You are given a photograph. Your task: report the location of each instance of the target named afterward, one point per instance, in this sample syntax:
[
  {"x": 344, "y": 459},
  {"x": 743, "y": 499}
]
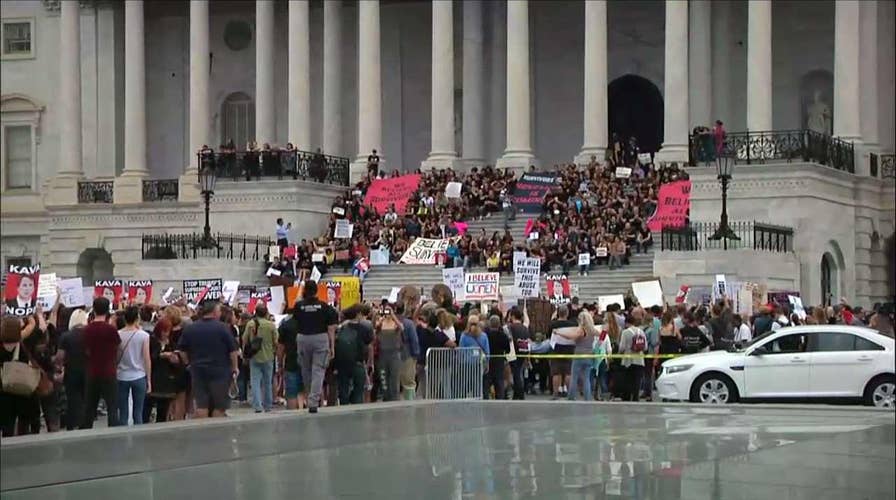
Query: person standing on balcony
[
  {"x": 719, "y": 136},
  {"x": 282, "y": 233},
  {"x": 373, "y": 164}
]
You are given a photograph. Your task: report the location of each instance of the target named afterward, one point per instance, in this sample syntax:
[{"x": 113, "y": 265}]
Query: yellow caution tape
[{"x": 589, "y": 356}]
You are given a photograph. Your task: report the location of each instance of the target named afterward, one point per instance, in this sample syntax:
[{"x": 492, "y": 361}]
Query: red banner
[
  {"x": 385, "y": 192},
  {"x": 20, "y": 293},
  {"x": 673, "y": 205}
]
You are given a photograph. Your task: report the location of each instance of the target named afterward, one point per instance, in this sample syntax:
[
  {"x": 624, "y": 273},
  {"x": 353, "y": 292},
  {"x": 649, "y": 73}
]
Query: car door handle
[
  {"x": 866, "y": 358},
  {"x": 797, "y": 360}
]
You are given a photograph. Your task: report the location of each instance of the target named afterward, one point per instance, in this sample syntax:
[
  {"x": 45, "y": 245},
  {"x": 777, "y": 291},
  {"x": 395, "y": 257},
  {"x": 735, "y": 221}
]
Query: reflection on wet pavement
[{"x": 480, "y": 450}]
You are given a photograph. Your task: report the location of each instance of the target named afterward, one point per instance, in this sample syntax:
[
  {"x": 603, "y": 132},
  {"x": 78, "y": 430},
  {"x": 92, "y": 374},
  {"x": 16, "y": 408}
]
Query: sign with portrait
[
  {"x": 20, "y": 293},
  {"x": 110, "y": 289},
  {"x": 139, "y": 292}
]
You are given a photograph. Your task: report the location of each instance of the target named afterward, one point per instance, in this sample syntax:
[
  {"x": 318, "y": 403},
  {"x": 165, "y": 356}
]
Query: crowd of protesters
[{"x": 156, "y": 364}]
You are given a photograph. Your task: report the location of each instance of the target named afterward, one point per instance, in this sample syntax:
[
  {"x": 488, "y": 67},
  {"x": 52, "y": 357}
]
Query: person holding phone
[
  {"x": 390, "y": 332},
  {"x": 282, "y": 232}
]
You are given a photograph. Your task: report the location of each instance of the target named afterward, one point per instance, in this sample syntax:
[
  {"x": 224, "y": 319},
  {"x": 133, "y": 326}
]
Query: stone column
[
  {"x": 868, "y": 64},
  {"x": 700, "y": 63},
  {"x": 370, "y": 104},
  {"x": 299, "y": 76},
  {"x": 595, "y": 119},
  {"x": 200, "y": 115},
  {"x": 759, "y": 65},
  {"x": 265, "y": 117},
  {"x": 518, "y": 152},
  {"x": 473, "y": 133},
  {"x": 70, "y": 142},
  {"x": 443, "y": 152},
  {"x": 129, "y": 185},
  {"x": 846, "y": 70},
  {"x": 332, "y": 119},
  {"x": 675, "y": 98}
]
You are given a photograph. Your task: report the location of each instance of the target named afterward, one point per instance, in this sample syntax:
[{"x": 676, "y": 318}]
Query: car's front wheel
[
  {"x": 713, "y": 388},
  {"x": 881, "y": 392}
]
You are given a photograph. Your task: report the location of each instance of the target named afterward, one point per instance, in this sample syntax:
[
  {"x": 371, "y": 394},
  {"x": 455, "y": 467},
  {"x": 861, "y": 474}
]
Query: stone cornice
[{"x": 55, "y": 6}]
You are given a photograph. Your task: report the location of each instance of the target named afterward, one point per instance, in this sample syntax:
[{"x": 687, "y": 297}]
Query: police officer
[{"x": 316, "y": 324}]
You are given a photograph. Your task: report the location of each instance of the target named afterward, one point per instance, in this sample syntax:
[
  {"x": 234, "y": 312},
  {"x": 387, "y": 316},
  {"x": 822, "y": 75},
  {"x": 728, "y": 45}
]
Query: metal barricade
[{"x": 454, "y": 373}]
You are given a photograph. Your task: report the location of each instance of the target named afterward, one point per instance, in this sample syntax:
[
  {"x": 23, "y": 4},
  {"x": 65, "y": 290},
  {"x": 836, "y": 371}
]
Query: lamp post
[
  {"x": 725, "y": 166},
  {"x": 207, "y": 179}
]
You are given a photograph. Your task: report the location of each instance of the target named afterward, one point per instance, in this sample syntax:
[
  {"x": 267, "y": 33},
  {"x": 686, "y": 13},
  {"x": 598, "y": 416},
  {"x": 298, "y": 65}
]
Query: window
[
  {"x": 17, "y": 156},
  {"x": 863, "y": 344},
  {"x": 17, "y": 38},
  {"x": 787, "y": 344},
  {"x": 831, "y": 342}
]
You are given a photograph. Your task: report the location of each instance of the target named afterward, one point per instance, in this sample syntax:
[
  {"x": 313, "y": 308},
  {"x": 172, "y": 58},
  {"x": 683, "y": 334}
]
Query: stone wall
[{"x": 171, "y": 273}]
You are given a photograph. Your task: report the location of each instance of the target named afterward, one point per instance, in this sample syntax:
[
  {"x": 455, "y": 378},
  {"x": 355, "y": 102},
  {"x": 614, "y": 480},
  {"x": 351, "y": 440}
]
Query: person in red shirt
[{"x": 101, "y": 342}]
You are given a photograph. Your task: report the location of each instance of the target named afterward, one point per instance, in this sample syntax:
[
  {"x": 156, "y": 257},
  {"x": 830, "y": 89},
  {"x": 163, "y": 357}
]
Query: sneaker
[
  {"x": 257, "y": 411},
  {"x": 312, "y": 409}
]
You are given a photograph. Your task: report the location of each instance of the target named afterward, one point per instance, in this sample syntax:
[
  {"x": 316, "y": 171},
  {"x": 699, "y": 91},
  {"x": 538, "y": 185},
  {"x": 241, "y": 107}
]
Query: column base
[
  {"x": 62, "y": 190},
  {"x": 188, "y": 186},
  {"x": 441, "y": 162},
  {"x": 518, "y": 161},
  {"x": 584, "y": 157},
  {"x": 128, "y": 188},
  {"x": 672, "y": 153},
  {"x": 862, "y": 158},
  {"x": 471, "y": 163}
]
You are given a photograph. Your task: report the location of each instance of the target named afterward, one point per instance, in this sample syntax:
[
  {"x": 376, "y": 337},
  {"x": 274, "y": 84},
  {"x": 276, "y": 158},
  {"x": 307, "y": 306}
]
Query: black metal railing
[
  {"x": 95, "y": 191},
  {"x": 188, "y": 246},
  {"x": 296, "y": 164},
  {"x": 160, "y": 190},
  {"x": 753, "y": 235},
  {"x": 775, "y": 145},
  {"x": 887, "y": 166}
]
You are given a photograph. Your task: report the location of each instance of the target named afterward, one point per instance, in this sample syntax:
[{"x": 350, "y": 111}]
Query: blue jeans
[
  {"x": 137, "y": 390},
  {"x": 581, "y": 368},
  {"x": 262, "y": 380},
  {"x": 603, "y": 378}
]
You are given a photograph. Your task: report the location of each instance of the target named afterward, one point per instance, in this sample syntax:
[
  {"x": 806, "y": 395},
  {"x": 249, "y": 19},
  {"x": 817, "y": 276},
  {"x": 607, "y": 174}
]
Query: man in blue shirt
[
  {"x": 210, "y": 350},
  {"x": 282, "y": 230}
]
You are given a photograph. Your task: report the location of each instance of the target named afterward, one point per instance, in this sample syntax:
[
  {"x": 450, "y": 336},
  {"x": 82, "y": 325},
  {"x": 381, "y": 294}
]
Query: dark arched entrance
[
  {"x": 95, "y": 264},
  {"x": 636, "y": 109}
]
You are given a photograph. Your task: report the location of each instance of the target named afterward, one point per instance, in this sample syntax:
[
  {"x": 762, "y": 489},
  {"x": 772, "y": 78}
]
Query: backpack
[
  {"x": 348, "y": 346},
  {"x": 639, "y": 341},
  {"x": 255, "y": 342}
]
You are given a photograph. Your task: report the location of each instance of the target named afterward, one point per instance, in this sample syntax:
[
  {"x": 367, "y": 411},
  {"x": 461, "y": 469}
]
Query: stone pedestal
[
  {"x": 128, "y": 188},
  {"x": 188, "y": 187},
  {"x": 438, "y": 163},
  {"x": 584, "y": 158},
  {"x": 358, "y": 169},
  {"x": 672, "y": 153},
  {"x": 517, "y": 162},
  {"x": 61, "y": 190}
]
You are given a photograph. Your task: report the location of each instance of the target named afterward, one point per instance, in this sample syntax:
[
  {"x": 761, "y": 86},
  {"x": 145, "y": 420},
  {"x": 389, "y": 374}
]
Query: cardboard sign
[
  {"x": 315, "y": 274},
  {"x": 272, "y": 272},
  {"x": 623, "y": 172},
  {"x": 395, "y": 190},
  {"x": 425, "y": 250},
  {"x": 278, "y": 300},
  {"x": 531, "y": 188},
  {"x": 720, "y": 288},
  {"x": 526, "y": 277},
  {"x": 110, "y": 289},
  {"x": 453, "y": 189},
  {"x": 453, "y": 278},
  {"x": 481, "y": 286},
  {"x": 648, "y": 293},
  {"x": 195, "y": 291},
  {"x": 261, "y": 295},
  {"x": 584, "y": 259},
  {"x": 343, "y": 229},
  {"x": 339, "y": 211},
  {"x": 519, "y": 258},
  {"x": 558, "y": 288},
  {"x": 139, "y": 292},
  {"x": 605, "y": 300},
  {"x": 317, "y": 257},
  {"x": 601, "y": 252},
  {"x": 20, "y": 293},
  {"x": 46, "y": 291},
  {"x": 273, "y": 253},
  {"x": 509, "y": 295},
  {"x": 229, "y": 290},
  {"x": 797, "y": 305},
  {"x": 673, "y": 205},
  {"x": 71, "y": 292},
  {"x": 244, "y": 294}
]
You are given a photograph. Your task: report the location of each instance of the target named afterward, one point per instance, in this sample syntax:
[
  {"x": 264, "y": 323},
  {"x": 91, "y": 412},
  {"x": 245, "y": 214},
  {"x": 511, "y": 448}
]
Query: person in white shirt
[
  {"x": 134, "y": 367},
  {"x": 742, "y": 332}
]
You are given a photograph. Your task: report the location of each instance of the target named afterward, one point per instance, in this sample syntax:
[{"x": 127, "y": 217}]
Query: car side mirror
[{"x": 759, "y": 351}]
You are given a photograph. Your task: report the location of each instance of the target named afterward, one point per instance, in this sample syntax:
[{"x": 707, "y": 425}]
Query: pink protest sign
[
  {"x": 673, "y": 204},
  {"x": 397, "y": 190}
]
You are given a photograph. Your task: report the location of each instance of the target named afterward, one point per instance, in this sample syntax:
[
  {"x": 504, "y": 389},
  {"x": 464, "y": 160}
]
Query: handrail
[
  {"x": 190, "y": 246},
  {"x": 279, "y": 163},
  {"x": 753, "y": 235},
  {"x": 758, "y": 147}
]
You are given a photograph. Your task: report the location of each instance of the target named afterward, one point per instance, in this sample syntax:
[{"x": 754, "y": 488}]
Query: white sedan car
[{"x": 800, "y": 362}]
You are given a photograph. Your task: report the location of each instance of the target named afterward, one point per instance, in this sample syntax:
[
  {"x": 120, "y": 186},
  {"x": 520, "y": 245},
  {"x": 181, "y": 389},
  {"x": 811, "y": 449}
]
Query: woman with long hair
[
  {"x": 165, "y": 369},
  {"x": 581, "y": 368},
  {"x": 179, "y": 405}
]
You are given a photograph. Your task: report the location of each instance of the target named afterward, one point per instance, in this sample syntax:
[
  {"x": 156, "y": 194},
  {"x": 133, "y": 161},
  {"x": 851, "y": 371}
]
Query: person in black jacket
[
  {"x": 692, "y": 339},
  {"x": 499, "y": 347}
]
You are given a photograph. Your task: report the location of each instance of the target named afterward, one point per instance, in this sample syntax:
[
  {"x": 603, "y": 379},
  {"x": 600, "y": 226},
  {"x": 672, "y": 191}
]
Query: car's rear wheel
[
  {"x": 713, "y": 388},
  {"x": 881, "y": 392}
]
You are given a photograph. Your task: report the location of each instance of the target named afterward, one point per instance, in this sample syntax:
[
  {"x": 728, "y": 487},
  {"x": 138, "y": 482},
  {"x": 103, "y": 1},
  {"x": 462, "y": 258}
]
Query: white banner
[
  {"x": 46, "y": 291},
  {"x": 623, "y": 172},
  {"x": 315, "y": 274},
  {"x": 275, "y": 306},
  {"x": 452, "y": 190},
  {"x": 519, "y": 258},
  {"x": 533, "y": 236},
  {"x": 273, "y": 252},
  {"x": 454, "y": 279},
  {"x": 600, "y": 252},
  {"x": 481, "y": 286},
  {"x": 584, "y": 259},
  {"x": 644, "y": 158},
  {"x": 228, "y": 290},
  {"x": 648, "y": 293},
  {"x": 605, "y": 300},
  {"x": 720, "y": 288},
  {"x": 424, "y": 250},
  {"x": 379, "y": 257},
  {"x": 526, "y": 277},
  {"x": 343, "y": 229},
  {"x": 71, "y": 292},
  {"x": 795, "y": 302}
]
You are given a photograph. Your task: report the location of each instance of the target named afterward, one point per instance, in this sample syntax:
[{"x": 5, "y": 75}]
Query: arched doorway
[
  {"x": 238, "y": 120},
  {"x": 95, "y": 264},
  {"x": 827, "y": 271},
  {"x": 635, "y": 109}
]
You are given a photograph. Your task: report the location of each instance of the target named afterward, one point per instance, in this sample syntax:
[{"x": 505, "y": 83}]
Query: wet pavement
[{"x": 472, "y": 449}]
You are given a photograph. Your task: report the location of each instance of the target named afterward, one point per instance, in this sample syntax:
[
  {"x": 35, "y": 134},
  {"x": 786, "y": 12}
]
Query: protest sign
[
  {"x": 781, "y": 297},
  {"x": 533, "y": 236},
  {"x": 244, "y": 294},
  {"x": 682, "y": 296},
  {"x": 526, "y": 276},
  {"x": 648, "y": 293},
  {"x": 275, "y": 305},
  {"x": 601, "y": 252},
  {"x": 584, "y": 259},
  {"x": 166, "y": 297},
  {"x": 673, "y": 205},
  {"x": 558, "y": 288},
  {"x": 71, "y": 292},
  {"x": 317, "y": 257},
  {"x": 481, "y": 286},
  {"x": 745, "y": 300},
  {"x": 20, "y": 293},
  {"x": 229, "y": 290},
  {"x": 393, "y": 294},
  {"x": 531, "y": 189},
  {"x": 425, "y": 250},
  {"x": 452, "y": 190},
  {"x": 139, "y": 292},
  {"x": 273, "y": 252},
  {"x": 720, "y": 289},
  {"x": 519, "y": 258},
  {"x": 350, "y": 290},
  {"x": 333, "y": 292},
  {"x": 379, "y": 257},
  {"x": 454, "y": 279},
  {"x": 195, "y": 291},
  {"x": 339, "y": 211},
  {"x": 510, "y": 295},
  {"x": 623, "y": 172},
  {"x": 343, "y": 229},
  {"x": 606, "y": 300},
  {"x": 797, "y": 305},
  {"x": 315, "y": 274},
  {"x": 261, "y": 295},
  {"x": 46, "y": 291},
  {"x": 395, "y": 190},
  {"x": 272, "y": 272},
  {"x": 644, "y": 158},
  {"x": 110, "y": 289}
]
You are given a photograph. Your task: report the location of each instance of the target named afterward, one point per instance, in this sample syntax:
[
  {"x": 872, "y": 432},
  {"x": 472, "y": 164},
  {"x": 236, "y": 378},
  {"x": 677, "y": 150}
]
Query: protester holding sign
[{"x": 21, "y": 289}]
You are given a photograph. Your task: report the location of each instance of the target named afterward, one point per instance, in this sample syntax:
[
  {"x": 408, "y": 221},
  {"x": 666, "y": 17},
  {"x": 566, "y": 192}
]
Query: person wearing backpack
[
  {"x": 633, "y": 341},
  {"x": 352, "y": 339},
  {"x": 259, "y": 339}
]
